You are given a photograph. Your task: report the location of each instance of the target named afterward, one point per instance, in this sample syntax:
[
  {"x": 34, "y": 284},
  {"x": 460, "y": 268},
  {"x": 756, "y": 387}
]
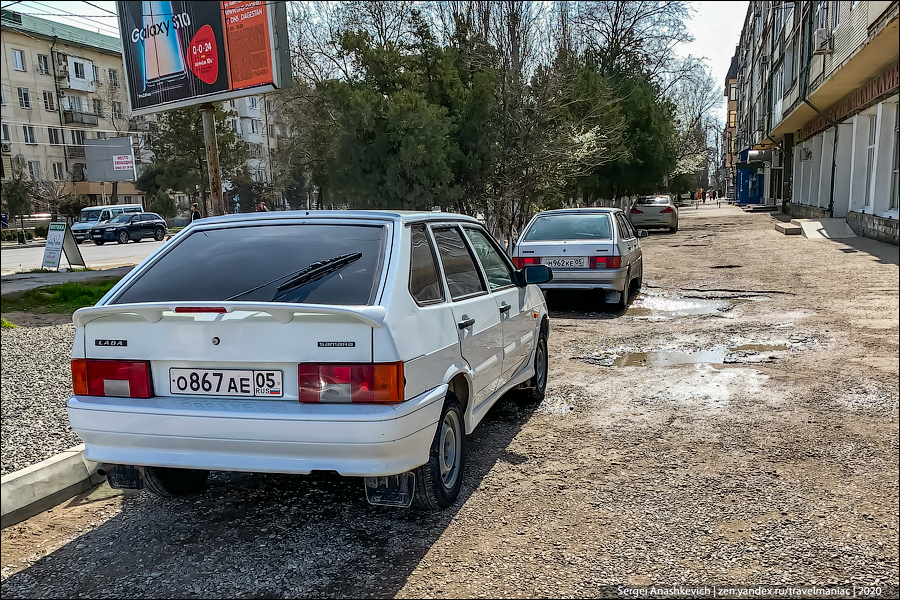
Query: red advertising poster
[{"x": 247, "y": 35}]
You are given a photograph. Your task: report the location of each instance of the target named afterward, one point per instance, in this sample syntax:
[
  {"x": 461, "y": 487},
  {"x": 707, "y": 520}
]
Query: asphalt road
[
  {"x": 16, "y": 259},
  {"x": 738, "y": 425}
]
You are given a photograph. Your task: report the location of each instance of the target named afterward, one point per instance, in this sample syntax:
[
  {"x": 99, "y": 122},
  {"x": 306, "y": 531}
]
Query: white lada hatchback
[{"x": 367, "y": 343}]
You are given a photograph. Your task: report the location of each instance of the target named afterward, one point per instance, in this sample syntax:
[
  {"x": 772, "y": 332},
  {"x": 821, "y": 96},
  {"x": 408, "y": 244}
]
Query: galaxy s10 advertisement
[{"x": 182, "y": 51}]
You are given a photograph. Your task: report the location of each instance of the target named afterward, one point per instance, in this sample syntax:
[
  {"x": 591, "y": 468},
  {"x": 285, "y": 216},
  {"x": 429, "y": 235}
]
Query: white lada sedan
[{"x": 367, "y": 343}]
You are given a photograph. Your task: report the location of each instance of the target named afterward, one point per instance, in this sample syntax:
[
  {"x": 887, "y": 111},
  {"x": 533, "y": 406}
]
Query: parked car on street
[
  {"x": 654, "y": 212},
  {"x": 130, "y": 226},
  {"x": 92, "y": 216},
  {"x": 587, "y": 248},
  {"x": 367, "y": 343}
]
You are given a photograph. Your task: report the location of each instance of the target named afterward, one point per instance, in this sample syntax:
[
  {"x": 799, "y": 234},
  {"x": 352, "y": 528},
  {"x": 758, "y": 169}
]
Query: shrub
[{"x": 41, "y": 231}]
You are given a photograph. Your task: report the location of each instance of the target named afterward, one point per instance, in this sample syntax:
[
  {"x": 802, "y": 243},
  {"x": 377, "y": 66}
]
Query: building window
[
  {"x": 254, "y": 126},
  {"x": 113, "y": 78},
  {"x": 30, "y": 138},
  {"x": 732, "y": 118},
  {"x": 49, "y": 102},
  {"x": 43, "y": 64},
  {"x": 895, "y": 175},
  {"x": 98, "y": 107},
  {"x": 79, "y": 70},
  {"x": 822, "y": 15},
  {"x": 4, "y": 132},
  {"x": 733, "y": 92},
  {"x": 24, "y": 98},
  {"x": 252, "y": 102},
  {"x": 96, "y": 73},
  {"x": 870, "y": 159},
  {"x": 77, "y": 136},
  {"x": 101, "y": 135},
  {"x": 835, "y": 14},
  {"x": 75, "y": 103},
  {"x": 59, "y": 173},
  {"x": 18, "y": 60},
  {"x": 56, "y": 136},
  {"x": 117, "y": 110},
  {"x": 271, "y": 131},
  {"x": 234, "y": 126},
  {"x": 34, "y": 170}
]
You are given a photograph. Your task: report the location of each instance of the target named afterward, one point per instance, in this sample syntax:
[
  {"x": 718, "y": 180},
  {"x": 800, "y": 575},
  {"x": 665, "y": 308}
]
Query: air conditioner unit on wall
[
  {"x": 822, "y": 41},
  {"x": 6, "y": 148},
  {"x": 805, "y": 154},
  {"x": 764, "y": 59}
]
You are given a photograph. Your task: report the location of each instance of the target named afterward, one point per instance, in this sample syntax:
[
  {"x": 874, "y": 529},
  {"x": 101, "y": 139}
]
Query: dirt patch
[{"x": 27, "y": 319}]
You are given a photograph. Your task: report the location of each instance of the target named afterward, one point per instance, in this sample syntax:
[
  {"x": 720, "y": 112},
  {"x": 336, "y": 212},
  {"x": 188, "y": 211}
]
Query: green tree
[
  {"x": 18, "y": 195},
  {"x": 71, "y": 206},
  {"x": 179, "y": 152},
  {"x": 164, "y": 205}
]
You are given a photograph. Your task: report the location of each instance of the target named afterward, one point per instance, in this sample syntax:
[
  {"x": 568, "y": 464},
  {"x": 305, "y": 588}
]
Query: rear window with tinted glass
[
  {"x": 653, "y": 200},
  {"x": 580, "y": 226},
  {"x": 311, "y": 263}
]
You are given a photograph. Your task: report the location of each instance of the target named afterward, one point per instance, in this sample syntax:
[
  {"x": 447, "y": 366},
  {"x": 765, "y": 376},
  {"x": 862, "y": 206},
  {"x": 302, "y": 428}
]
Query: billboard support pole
[{"x": 208, "y": 113}]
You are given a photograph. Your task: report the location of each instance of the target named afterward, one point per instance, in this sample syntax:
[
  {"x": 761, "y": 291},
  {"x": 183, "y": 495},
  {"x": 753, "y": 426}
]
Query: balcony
[
  {"x": 80, "y": 118},
  {"x": 74, "y": 151}
]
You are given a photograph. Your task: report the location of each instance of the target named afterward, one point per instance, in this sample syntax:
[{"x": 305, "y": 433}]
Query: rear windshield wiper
[
  {"x": 315, "y": 272},
  {"x": 312, "y": 272}
]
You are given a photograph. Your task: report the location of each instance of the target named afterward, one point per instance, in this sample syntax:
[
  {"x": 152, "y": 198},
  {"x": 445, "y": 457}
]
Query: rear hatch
[
  {"x": 652, "y": 211},
  {"x": 566, "y": 241},
  {"x": 232, "y": 309}
]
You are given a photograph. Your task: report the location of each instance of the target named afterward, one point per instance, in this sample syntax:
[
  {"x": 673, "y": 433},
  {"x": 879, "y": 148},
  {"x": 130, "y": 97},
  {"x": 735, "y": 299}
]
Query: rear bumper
[
  {"x": 258, "y": 436},
  {"x": 653, "y": 221},
  {"x": 587, "y": 279}
]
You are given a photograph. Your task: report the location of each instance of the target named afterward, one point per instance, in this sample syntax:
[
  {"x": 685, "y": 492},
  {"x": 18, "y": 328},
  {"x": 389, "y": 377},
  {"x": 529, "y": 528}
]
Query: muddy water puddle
[
  {"x": 747, "y": 353},
  {"x": 659, "y": 307}
]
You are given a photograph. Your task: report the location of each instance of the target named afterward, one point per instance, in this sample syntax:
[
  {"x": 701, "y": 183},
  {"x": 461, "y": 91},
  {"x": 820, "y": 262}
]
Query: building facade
[
  {"x": 61, "y": 85},
  {"x": 817, "y": 110}
]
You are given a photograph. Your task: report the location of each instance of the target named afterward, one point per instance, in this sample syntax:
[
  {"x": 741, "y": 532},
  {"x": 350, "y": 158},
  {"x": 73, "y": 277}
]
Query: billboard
[
  {"x": 109, "y": 160},
  {"x": 181, "y": 53}
]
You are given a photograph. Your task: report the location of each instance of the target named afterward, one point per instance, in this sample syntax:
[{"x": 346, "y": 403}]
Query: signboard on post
[
  {"x": 59, "y": 240},
  {"x": 182, "y": 53},
  {"x": 109, "y": 160}
]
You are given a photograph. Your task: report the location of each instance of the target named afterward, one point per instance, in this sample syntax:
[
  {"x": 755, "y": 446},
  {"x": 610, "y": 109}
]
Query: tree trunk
[{"x": 114, "y": 197}]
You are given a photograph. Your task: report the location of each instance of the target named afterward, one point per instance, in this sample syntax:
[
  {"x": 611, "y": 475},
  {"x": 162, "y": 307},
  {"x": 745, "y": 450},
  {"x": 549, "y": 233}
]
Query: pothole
[
  {"x": 717, "y": 355},
  {"x": 658, "y": 307}
]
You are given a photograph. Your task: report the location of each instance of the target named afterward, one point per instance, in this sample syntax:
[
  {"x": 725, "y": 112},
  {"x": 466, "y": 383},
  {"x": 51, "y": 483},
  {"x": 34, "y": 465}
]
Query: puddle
[
  {"x": 668, "y": 308},
  {"x": 719, "y": 355}
]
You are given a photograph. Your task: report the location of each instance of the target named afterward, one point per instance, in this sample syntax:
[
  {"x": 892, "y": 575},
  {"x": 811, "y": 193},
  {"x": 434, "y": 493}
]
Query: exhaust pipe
[{"x": 104, "y": 468}]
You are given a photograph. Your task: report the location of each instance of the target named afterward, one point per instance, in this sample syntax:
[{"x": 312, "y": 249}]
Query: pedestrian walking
[
  {"x": 195, "y": 212},
  {"x": 261, "y": 207}
]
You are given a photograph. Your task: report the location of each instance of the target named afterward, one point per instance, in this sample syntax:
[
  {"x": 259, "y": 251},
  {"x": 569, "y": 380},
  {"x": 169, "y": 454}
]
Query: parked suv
[
  {"x": 130, "y": 226},
  {"x": 92, "y": 216},
  {"x": 367, "y": 343}
]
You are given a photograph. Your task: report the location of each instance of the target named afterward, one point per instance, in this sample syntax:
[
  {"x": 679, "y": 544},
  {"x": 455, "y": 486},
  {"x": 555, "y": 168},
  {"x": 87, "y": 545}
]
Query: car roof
[
  {"x": 564, "y": 211},
  {"x": 399, "y": 216}
]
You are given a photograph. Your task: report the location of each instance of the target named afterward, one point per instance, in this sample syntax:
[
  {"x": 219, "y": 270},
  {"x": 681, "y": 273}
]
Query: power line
[
  {"x": 63, "y": 13},
  {"x": 100, "y": 8}
]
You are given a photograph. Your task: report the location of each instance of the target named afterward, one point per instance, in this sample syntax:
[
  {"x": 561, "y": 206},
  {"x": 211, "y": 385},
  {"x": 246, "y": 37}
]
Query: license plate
[
  {"x": 579, "y": 262},
  {"x": 226, "y": 382}
]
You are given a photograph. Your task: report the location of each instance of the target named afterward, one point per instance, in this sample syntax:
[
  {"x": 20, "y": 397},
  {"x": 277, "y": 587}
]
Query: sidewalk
[{"x": 22, "y": 282}]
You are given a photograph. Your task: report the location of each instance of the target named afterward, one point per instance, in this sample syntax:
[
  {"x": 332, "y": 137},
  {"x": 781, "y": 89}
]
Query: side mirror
[
  {"x": 642, "y": 233},
  {"x": 536, "y": 274}
]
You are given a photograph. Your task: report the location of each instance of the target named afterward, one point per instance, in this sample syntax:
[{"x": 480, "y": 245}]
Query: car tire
[
  {"x": 122, "y": 237},
  {"x": 168, "y": 482},
  {"x": 537, "y": 385},
  {"x": 158, "y": 234},
  {"x": 137, "y": 239},
  {"x": 674, "y": 229},
  {"x": 626, "y": 292},
  {"x": 99, "y": 242},
  {"x": 439, "y": 481}
]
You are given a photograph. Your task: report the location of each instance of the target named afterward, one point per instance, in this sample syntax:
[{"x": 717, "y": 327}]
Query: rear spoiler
[{"x": 283, "y": 312}]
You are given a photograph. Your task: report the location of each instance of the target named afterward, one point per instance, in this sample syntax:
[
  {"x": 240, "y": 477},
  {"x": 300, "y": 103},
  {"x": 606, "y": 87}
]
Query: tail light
[
  {"x": 122, "y": 378},
  {"x": 374, "y": 383},
  {"x": 525, "y": 261},
  {"x": 667, "y": 209},
  {"x": 635, "y": 211},
  {"x": 606, "y": 262},
  {"x": 200, "y": 309}
]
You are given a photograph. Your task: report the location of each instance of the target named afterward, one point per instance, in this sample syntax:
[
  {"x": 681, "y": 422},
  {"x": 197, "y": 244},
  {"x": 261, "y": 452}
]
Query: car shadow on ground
[
  {"x": 582, "y": 304},
  {"x": 265, "y": 535}
]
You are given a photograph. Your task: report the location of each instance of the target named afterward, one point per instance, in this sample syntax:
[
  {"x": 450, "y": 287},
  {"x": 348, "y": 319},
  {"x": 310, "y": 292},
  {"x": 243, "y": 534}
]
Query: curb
[{"x": 34, "y": 489}]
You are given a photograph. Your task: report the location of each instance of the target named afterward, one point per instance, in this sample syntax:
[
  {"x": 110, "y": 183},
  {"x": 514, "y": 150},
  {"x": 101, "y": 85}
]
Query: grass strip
[{"x": 63, "y": 298}]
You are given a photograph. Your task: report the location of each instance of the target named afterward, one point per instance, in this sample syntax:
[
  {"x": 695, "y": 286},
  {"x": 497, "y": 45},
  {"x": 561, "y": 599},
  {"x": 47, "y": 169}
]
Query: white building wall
[
  {"x": 884, "y": 149},
  {"x": 842, "y": 173},
  {"x": 825, "y": 168},
  {"x": 858, "y": 163}
]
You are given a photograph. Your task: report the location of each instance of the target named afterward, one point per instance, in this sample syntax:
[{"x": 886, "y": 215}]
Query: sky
[{"x": 715, "y": 26}]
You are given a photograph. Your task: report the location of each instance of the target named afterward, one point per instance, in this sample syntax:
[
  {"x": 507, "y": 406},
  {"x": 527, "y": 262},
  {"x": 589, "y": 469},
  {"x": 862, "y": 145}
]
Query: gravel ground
[
  {"x": 775, "y": 465},
  {"x": 36, "y": 382}
]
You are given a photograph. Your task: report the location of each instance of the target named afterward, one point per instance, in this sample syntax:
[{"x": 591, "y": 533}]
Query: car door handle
[
  {"x": 504, "y": 308},
  {"x": 465, "y": 324}
]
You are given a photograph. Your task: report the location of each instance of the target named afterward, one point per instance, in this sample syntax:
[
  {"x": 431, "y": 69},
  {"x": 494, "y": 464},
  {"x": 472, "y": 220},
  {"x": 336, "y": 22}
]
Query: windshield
[
  {"x": 653, "y": 200},
  {"x": 311, "y": 263},
  {"x": 583, "y": 226},
  {"x": 122, "y": 219},
  {"x": 87, "y": 216}
]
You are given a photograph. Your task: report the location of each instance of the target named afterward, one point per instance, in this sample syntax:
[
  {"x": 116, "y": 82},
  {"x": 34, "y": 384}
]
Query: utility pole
[{"x": 208, "y": 114}]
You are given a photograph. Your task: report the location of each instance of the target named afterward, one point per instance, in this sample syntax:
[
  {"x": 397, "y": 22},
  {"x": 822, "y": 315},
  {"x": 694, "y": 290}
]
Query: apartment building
[
  {"x": 61, "y": 85},
  {"x": 817, "y": 111},
  {"x": 730, "y": 158}
]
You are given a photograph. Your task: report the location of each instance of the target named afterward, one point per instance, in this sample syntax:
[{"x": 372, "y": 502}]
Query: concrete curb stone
[{"x": 34, "y": 489}]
